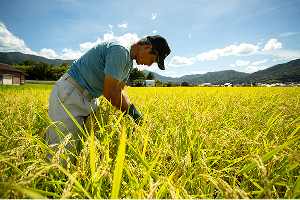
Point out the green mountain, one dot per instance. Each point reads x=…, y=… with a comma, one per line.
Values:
x=281, y=73
x=286, y=72
x=211, y=77
x=167, y=79
x=16, y=57
x=197, y=79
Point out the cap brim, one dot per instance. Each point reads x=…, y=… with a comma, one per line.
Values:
x=161, y=62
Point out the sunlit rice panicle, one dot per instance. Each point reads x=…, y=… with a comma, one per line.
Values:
x=67, y=190
x=61, y=149
x=32, y=177
x=295, y=155
x=197, y=143
x=242, y=193
x=226, y=189
x=263, y=171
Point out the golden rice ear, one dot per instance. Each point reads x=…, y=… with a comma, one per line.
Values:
x=198, y=143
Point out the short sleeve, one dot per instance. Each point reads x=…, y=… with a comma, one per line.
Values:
x=116, y=61
x=127, y=76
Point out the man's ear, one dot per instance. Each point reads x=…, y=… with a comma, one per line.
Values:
x=147, y=47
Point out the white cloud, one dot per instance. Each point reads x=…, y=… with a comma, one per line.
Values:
x=110, y=26
x=246, y=49
x=155, y=31
x=124, y=25
x=88, y=45
x=282, y=54
x=179, y=61
x=69, y=54
x=153, y=67
x=259, y=62
x=199, y=72
x=242, y=63
x=290, y=33
x=232, y=65
x=241, y=50
x=48, y=53
x=154, y=16
x=211, y=55
x=9, y=42
x=253, y=68
x=190, y=35
x=272, y=44
x=278, y=59
x=173, y=73
x=131, y=37
x=170, y=74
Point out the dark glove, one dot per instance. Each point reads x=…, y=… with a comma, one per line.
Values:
x=135, y=114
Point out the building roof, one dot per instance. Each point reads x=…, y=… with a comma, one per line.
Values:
x=6, y=67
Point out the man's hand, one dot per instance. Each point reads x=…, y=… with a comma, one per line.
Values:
x=136, y=114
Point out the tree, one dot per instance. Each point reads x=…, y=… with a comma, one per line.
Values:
x=136, y=74
x=158, y=83
x=150, y=76
x=41, y=70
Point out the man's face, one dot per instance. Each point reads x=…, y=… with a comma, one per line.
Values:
x=145, y=58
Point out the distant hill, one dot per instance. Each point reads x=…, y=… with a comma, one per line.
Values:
x=197, y=79
x=281, y=73
x=286, y=72
x=167, y=79
x=211, y=77
x=16, y=57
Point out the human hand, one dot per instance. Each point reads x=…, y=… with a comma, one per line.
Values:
x=137, y=115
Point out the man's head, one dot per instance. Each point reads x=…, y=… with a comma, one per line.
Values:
x=160, y=48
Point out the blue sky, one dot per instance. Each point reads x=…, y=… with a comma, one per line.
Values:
x=204, y=35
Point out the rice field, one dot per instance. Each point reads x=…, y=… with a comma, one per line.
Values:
x=195, y=142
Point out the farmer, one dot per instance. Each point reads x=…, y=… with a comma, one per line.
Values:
x=103, y=70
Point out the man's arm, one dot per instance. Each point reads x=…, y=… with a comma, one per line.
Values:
x=114, y=92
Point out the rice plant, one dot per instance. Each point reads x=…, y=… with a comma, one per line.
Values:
x=195, y=143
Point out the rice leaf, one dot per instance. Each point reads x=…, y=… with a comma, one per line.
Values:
x=2, y=158
x=116, y=124
x=74, y=180
x=296, y=189
x=268, y=155
x=92, y=157
x=139, y=157
x=145, y=145
x=32, y=193
x=119, y=167
x=149, y=171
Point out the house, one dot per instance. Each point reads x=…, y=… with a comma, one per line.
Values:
x=150, y=83
x=206, y=85
x=227, y=85
x=184, y=84
x=11, y=76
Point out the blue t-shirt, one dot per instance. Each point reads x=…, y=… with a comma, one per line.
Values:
x=112, y=57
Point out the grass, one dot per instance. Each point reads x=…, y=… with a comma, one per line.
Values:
x=196, y=143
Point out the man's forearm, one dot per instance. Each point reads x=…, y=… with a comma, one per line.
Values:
x=125, y=98
x=120, y=101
